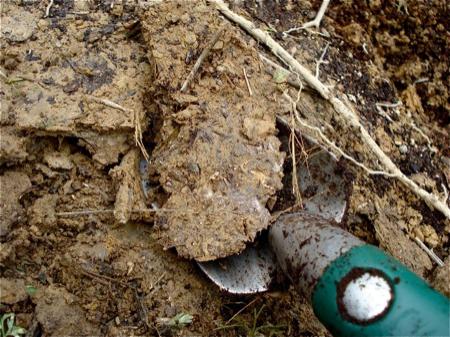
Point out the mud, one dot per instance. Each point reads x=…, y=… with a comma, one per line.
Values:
x=217, y=155
x=82, y=243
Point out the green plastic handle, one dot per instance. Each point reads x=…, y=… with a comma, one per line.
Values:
x=414, y=309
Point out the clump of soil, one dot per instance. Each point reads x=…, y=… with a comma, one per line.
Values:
x=79, y=253
x=409, y=41
x=217, y=154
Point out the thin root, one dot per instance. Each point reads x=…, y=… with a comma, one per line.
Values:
x=138, y=136
x=430, y=253
x=342, y=108
x=47, y=10
x=321, y=61
x=429, y=144
x=313, y=23
x=330, y=144
x=295, y=184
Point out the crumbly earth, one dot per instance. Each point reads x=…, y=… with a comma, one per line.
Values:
x=217, y=154
x=80, y=254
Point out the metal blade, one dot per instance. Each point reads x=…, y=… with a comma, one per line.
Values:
x=323, y=188
x=252, y=271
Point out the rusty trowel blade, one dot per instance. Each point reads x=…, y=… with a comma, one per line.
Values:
x=250, y=272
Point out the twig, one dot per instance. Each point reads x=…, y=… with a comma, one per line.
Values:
x=276, y=49
x=321, y=61
x=47, y=10
x=20, y=78
x=295, y=185
x=95, y=276
x=101, y=277
x=201, y=58
x=79, y=12
x=246, y=81
x=341, y=108
x=430, y=253
x=384, y=113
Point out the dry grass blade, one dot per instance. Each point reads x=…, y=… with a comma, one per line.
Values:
x=136, y=122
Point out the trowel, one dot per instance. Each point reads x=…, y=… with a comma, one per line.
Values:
x=355, y=288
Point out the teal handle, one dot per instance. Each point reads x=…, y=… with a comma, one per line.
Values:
x=415, y=309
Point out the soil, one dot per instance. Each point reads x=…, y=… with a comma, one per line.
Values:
x=96, y=241
x=223, y=163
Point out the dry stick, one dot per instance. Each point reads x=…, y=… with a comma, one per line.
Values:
x=99, y=279
x=389, y=105
x=295, y=185
x=341, y=109
x=201, y=58
x=247, y=82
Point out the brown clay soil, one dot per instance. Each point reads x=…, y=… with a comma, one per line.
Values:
x=95, y=241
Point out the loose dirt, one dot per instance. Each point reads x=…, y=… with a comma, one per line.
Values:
x=217, y=154
x=95, y=241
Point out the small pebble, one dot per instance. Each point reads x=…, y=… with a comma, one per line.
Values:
x=403, y=149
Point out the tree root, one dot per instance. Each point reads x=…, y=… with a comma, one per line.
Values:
x=344, y=110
